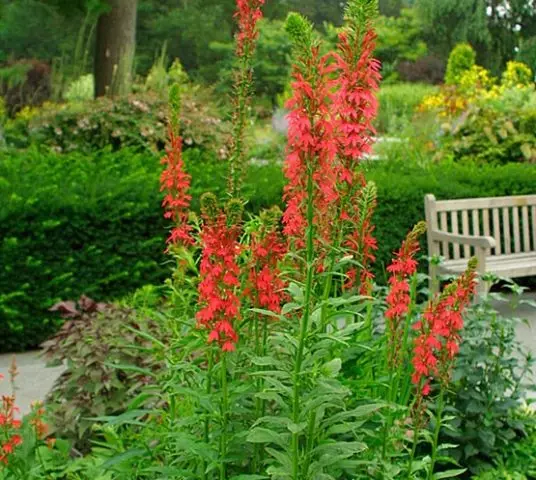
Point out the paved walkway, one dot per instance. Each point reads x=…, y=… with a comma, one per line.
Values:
x=35, y=380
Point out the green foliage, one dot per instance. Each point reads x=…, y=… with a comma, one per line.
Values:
x=399, y=103
x=399, y=39
x=74, y=224
x=490, y=382
x=138, y=121
x=461, y=59
x=105, y=350
x=495, y=130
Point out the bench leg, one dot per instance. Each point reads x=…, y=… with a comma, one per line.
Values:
x=433, y=272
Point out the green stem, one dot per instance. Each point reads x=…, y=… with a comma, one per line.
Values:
x=304, y=326
x=437, y=430
x=224, y=416
x=206, y=433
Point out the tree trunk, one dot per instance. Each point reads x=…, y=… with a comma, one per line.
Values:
x=116, y=45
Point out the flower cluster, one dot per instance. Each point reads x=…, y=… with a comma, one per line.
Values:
x=219, y=273
x=403, y=267
x=438, y=341
x=176, y=183
x=311, y=140
x=248, y=13
x=9, y=425
x=266, y=287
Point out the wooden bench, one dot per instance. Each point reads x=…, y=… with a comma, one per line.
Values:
x=499, y=231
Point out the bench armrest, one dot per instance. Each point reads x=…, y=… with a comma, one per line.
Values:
x=481, y=242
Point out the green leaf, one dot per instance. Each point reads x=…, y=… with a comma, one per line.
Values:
x=332, y=368
x=265, y=435
x=449, y=473
x=135, y=453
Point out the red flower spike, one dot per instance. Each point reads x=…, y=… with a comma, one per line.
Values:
x=403, y=267
x=438, y=341
x=220, y=305
x=175, y=182
x=311, y=149
x=265, y=286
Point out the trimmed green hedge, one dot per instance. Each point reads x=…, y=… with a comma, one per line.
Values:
x=73, y=224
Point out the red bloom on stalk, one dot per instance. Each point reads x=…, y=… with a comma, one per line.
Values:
x=266, y=287
x=248, y=13
x=176, y=183
x=219, y=278
x=356, y=107
x=311, y=147
x=403, y=267
x=439, y=332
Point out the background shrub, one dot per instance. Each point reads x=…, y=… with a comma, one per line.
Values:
x=398, y=104
x=75, y=224
x=461, y=59
x=138, y=121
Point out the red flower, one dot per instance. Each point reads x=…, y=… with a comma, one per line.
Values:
x=311, y=149
x=356, y=106
x=401, y=269
x=220, y=304
x=176, y=183
x=266, y=287
x=248, y=13
x=439, y=331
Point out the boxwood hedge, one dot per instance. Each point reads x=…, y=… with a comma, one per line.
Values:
x=73, y=223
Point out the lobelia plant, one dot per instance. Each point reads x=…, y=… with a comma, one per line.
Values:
x=257, y=389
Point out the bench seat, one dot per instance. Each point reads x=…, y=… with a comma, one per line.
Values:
x=499, y=231
x=514, y=265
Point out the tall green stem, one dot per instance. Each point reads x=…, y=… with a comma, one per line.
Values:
x=224, y=416
x=206, y=433
x=304, y=326
x=437, y=430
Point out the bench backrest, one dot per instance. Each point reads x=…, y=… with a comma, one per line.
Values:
x=511, y=221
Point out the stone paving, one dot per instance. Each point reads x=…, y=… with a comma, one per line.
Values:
x=35, y=380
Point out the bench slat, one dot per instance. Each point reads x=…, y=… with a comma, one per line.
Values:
x=526, y=228
x=506, y=230
x=497, y=231
x=445, y=228
x=454, y=221
x=492, y=202
x=465, y=231
x=485, y=222
x=517, y=234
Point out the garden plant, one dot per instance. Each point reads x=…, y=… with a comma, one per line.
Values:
x=276, y=354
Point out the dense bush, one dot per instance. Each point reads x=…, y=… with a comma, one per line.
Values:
x=76, y=224
x=490, y=386
x=96, y=225
x=461, y=59
x=136, y=121
x=106, y=364
x=398, y=104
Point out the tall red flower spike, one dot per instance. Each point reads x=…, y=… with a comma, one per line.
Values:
x=403, y=267
x=248, y=13
x=356, y=107
x=9, y=440
x=266, y=287
x=439, y=332
x=311, y=142
x=175, y=182
x=220, y=305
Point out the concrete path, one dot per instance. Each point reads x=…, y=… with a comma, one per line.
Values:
x=35, y=380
